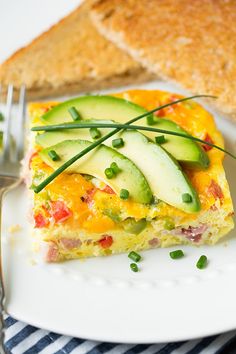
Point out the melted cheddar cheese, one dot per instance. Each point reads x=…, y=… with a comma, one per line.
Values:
x=92, y=207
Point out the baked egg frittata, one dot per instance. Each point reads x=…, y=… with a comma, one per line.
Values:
x=146, y=190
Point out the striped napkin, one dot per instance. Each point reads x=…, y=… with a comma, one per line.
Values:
x=22, y=338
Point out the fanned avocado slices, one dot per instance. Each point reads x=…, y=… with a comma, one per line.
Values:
x=117, y=109
x=96, y=162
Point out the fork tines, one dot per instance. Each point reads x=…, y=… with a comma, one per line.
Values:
x=13, y=141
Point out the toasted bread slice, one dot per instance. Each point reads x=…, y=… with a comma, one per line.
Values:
x=71, y=57
x=192, y=43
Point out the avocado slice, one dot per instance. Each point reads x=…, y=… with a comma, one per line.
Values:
x=108, y=107
x=186, y=151
x=164, y=175
x=95, y=162
x=94, y=107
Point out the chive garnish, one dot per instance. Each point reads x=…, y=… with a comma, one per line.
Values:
x=109, y=173
x=1, y=117
x=187, y=198
x=74, y=113
x=53, y=155
x=134, y=256
x=129, y=127
x=160, y=139
x=202, y=262
x=118, y=143
x=151, y=121
x=134, y=267
x=68, y=163
x=95, y=133
x=176, y=254
x=124, y=194
x=116, y=169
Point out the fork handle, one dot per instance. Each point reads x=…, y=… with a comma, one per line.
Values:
x=2, y=294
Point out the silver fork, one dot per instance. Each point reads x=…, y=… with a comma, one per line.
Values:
x=10, y=157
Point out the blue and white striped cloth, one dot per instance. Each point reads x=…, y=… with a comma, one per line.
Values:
x=22, y=338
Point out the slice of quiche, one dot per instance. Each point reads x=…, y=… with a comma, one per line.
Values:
x=137, y=190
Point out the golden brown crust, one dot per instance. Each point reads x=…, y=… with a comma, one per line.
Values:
x=192, y=43
x=69, y=58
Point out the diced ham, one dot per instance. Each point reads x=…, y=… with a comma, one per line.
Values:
x=106, y=241
x=108, y=190
x=69, y=243
x=59, y=211
x=169, y=109
x=193, y=233
x=53, y=253
x=160, y=113
x=215, y=190
x=208, y=139
x=154, y=242
x=33, y=154
x=40, y=221
x=213, y=208
x=88, y=197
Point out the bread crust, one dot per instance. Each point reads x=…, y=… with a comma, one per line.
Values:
x=69, y=58
x=192, y=43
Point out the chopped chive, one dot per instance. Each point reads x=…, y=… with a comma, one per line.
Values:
x=134, y=267
x=95, y=133
x=53, y=155
x=176, y=254
x=150, y=120
x=160, y=139
x=116, y=169
x=202, y=262
x=134, y=256
x=187, y=198
x=76, y=157
x=109, y=173
x=118, y=143
x=74, y=113
x=1, y=117
x=124, y=194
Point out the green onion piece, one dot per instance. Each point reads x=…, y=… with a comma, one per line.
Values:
x=53, y=155
x=202, y=262
x=169, y=224
x=74, y=113
x=150, y=120
x=109, y=173
x=160, y=139
x=76, y=157
x=116, y=169
x=124, y=194
x=1, y=117
x=134, y=256
x=118, y=143
x=134, y=267
x=112, y=215
x=95, y=133
x=176, y=254
x=187, y=198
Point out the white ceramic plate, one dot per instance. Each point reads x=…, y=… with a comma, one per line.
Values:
x=102, y=299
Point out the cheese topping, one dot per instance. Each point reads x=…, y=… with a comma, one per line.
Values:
x=96, y=208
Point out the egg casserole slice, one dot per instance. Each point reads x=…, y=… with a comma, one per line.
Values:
x=79, y=216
